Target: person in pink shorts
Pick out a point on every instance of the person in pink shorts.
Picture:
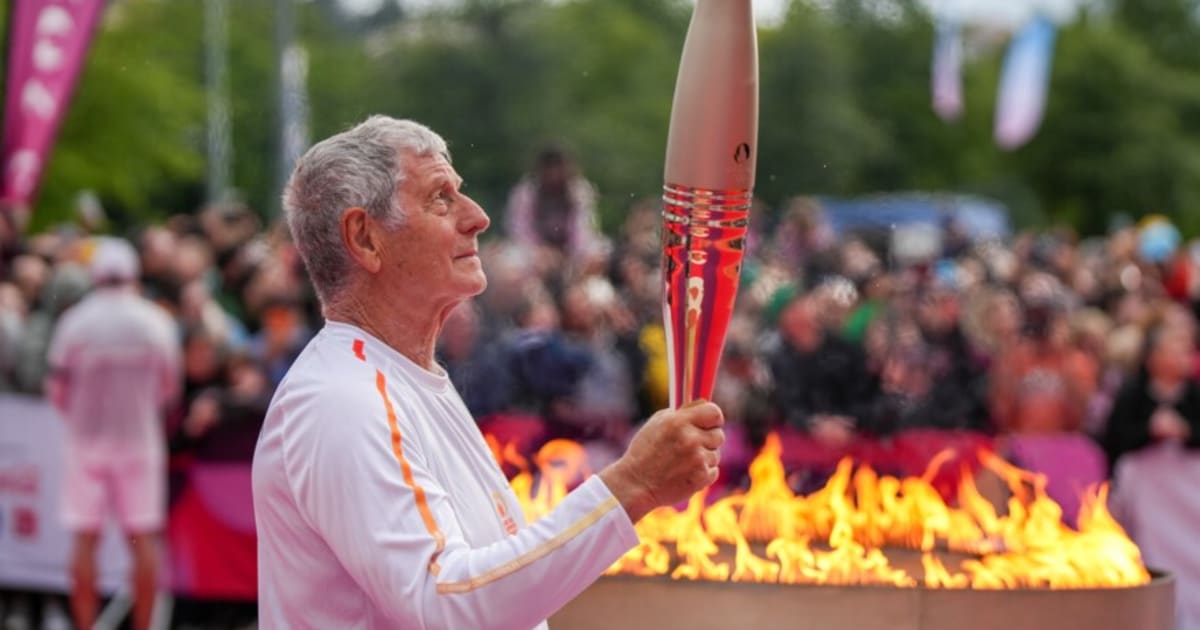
(115, 366)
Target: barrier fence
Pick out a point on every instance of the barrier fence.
(209, 535)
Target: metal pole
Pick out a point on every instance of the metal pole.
(292, 72)
(219, 138)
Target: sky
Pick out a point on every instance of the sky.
(995, 13)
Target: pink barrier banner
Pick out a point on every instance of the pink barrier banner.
(35, 548)
(48, 41)
(210, 534)
(212, 546)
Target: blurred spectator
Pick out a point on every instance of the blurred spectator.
(992, 319)
(12, 221)
(552, 210)
(544, 366)
(476, 369)
(602, 402)
(223, 420)
(198, 310)
(872, 285)
(511, 282)
(834, 299)
(13, 312)
(655, 387)
(742, 389)
(157, 248)
(959, 382)
(204, 358)
(237, 271)
(917, 387)
(1041, 383)
(803, 239)
(227, 227)
(641, 231)
(820, 383)
(115, 360)
(1091, 330)
(1162, 403)
(30, 273)
(282, 336)
(67, 284)
(636, 261)
(192, 260)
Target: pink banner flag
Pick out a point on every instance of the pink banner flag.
(947, 71)
(47, 43)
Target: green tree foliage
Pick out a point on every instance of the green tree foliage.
(501, 78)
(1116, 136)
(1168, 27)
(617, 61)
(845, 105)
(814, 135)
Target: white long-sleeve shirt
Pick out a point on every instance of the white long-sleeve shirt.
(379, 505)
(116, 363)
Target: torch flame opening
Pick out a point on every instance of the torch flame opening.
(838, 535)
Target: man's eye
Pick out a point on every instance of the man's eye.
(441, 202)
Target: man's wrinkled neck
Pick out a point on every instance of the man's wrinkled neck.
(409, 330)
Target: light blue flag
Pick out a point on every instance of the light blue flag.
(1024, 83)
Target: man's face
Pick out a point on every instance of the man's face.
(434, 257)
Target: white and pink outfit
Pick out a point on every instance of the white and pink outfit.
(379, 505)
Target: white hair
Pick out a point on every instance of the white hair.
(361, 168)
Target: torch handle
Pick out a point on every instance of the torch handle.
(704, 236)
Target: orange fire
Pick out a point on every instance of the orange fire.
(837, 535)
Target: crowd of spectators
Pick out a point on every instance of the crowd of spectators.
(836, 340)
(832, 337)
(237, 292)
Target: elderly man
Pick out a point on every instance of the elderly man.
(115, 367)
(377, 500)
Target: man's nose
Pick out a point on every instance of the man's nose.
(473, 220)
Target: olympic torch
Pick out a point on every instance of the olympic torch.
(709, 178)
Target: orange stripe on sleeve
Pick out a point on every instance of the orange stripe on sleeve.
(418, 491)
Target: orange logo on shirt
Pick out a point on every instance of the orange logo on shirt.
(510, 525)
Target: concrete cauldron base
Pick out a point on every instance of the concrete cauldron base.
(634, 603)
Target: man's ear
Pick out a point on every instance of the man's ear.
(361, 239)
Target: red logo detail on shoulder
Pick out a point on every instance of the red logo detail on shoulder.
(510, 525)
(358, 350)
